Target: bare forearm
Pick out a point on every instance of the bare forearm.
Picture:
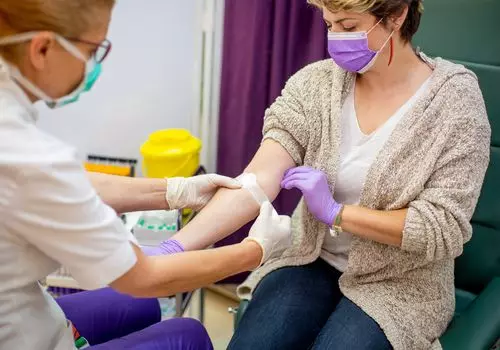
(167, 275)
(197, 269)
(226, 212)
(231, 209)
(126, 194)
(385, 227)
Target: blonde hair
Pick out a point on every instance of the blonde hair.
(382, 9)
(69, 18)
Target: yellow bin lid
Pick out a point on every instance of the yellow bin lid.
(170, 143)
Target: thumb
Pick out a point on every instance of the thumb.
(266, 210)
(285, 222)
(224, 181)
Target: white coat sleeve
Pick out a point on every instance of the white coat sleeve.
(56, 210)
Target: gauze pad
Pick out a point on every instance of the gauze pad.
(249, 182)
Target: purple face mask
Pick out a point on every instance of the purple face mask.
(351, 52)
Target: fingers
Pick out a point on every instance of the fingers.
(267, 210)
(294, 177)
(268, 213)
(224, 181)
(298, 176)
(298, 184)
(299, 170)
(285, 221)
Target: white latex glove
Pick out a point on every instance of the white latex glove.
(272, 232)
(195, 192)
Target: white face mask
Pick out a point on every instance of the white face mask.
(92, 71)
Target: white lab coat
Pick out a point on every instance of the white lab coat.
(49, 216)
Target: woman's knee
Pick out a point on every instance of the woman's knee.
(297, 280)
(288, 308)
(349, 327)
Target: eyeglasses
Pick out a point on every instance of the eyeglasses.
(102, 49)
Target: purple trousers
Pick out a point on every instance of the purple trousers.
(109, 321)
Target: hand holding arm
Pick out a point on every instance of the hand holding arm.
(287, 128)
(314, 186)
(165, 275)
(195, 192)
(271, 231)
(231, 209)
(381, 226)
(127, 194)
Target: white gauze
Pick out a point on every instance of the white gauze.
(249, 183)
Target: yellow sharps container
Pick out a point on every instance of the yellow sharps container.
(171, 153)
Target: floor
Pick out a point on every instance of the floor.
(218, 321)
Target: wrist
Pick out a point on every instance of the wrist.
(173, 192)
(337, 221)
(155, 190)
(332, 211)
(159, 190)
(171, 246)
(256, 252)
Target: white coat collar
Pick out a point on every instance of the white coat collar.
(8, 84)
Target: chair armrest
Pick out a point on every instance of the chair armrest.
(241, 311)
(478, 327)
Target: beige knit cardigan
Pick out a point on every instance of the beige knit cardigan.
(433, 163)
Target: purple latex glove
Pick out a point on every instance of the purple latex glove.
(314, 186)
(165, 248)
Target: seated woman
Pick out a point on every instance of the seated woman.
(402, 142)
(51, 215)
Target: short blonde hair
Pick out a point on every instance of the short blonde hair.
(382, 9)
(69, 18)
(345, 5)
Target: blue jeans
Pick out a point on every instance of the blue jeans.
(303, 308)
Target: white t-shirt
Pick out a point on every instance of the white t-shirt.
(49, 216)
(357, 153)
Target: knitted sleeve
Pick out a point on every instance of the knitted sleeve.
(286, 121)
(438, 220)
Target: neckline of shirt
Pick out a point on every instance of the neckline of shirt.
(393, 118)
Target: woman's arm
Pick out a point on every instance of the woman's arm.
(381, 226)
(385, 227)
(287, 127)
(437, 222)
(127, 194)
(231, 209)
(169, 274)
(269, 236)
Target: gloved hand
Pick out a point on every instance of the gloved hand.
(272, 232)
(168, 247)
(314, 186)
(195, 192)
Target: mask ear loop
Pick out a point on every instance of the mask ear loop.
(392, 52)
(32, 88)
(376, 24)
(388, 39)
(70, 48)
